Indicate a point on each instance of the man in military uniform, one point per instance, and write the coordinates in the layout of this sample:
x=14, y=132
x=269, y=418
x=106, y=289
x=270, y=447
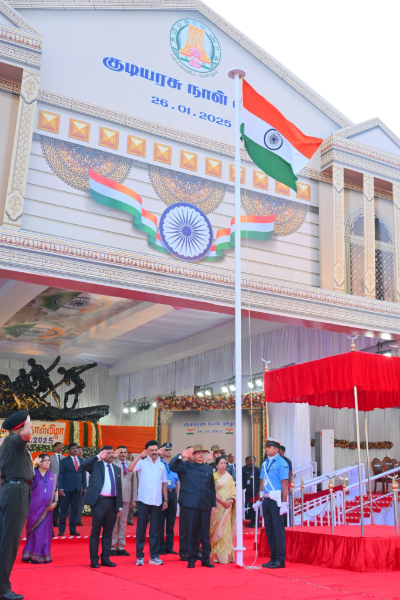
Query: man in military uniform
x=199, y=499
x=273, y=495
x=168, y=516
x=16, y=477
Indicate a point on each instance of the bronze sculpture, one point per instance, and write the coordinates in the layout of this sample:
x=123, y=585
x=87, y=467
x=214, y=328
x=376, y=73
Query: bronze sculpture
x=40, y=378
x=73, y=374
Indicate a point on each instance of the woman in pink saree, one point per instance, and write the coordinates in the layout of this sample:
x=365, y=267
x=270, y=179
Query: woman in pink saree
x=222, y=528
x=39, y=524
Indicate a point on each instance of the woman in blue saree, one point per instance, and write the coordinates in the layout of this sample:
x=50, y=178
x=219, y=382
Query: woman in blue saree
x=39, y=524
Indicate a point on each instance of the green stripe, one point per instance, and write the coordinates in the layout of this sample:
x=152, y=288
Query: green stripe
x=269, y=162
x=85, y=434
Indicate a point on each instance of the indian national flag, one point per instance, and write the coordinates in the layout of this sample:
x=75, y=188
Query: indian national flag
x=252, y=228
x=274, y=144
x=189, y=431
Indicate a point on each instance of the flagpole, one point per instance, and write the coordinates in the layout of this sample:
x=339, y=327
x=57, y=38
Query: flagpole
x=237, y=74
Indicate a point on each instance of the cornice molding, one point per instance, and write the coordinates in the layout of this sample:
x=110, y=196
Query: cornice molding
x=340, y=143
x=15, y=17
x=10, y=86
x=20, y=55
x=53, y=257
x=216, y=19
x=358, y=163
x=365, y=126
x=351, y=185
x=14, y=36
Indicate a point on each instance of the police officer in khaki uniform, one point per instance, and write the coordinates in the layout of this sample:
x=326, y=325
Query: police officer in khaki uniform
x=16, y=477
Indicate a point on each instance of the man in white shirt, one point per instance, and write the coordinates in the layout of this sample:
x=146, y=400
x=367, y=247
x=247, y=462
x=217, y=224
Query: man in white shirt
x=152, y=500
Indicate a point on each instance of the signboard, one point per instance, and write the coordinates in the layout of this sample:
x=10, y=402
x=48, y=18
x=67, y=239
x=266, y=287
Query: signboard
x=47, y=433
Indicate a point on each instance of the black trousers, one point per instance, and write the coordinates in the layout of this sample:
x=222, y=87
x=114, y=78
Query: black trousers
x=56, y=513
x=104, y=515
x=167, y=522
x=198, y=520
x=146, y=512
x=183, y=533
x=250, y=514
x=274, y=529
x=73, y=499
x=14, y=507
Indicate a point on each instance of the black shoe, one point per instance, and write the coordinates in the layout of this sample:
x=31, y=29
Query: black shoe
x=190, y=565
x=199, y=555
x=113, y=551
x=79, y=524
x=122, y=553
x=208, y=564
x=276, y=565
x=61, y=532
x=184, y=558
x=170, y=552
x=130, y=522
x=107, y=563
x=74, y=533
x=268, y=564
x=250, y=525
x=11, y=596
x=95, y=565
x=162, y=552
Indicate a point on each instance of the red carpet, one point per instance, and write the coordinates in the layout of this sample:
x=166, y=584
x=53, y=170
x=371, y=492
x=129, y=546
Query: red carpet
x=69, y=576
x=378, y=550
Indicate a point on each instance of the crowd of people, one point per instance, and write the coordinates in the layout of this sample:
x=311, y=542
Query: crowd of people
x=201, y=482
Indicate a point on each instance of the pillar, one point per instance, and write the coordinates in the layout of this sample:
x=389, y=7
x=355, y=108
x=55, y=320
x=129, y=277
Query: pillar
x=338, y=229
x=396, y=211
x=165, y=420
x=256, y=435
x=369, y=237
x=21, y=150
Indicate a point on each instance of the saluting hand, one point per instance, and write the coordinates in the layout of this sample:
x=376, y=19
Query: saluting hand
x=210, y=456
x=161, y=451
x=186, y=453
x=145, y=453
x=103, y=455
x=37, y=461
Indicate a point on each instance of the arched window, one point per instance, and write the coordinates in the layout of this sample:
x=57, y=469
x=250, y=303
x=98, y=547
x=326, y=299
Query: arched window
x=384, y=256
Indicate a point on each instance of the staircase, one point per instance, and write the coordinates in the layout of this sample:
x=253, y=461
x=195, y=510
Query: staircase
x=321, y=508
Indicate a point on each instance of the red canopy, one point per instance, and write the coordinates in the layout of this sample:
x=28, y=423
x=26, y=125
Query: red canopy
x=330, y=382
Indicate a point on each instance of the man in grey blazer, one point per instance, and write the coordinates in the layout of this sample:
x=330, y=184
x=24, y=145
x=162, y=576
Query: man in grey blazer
x=55, y=460
x=129, y=496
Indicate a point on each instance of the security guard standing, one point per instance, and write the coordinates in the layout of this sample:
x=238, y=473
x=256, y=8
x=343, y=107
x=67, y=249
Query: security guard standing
x=16, y=477
x=168, y=516
x=274, y=492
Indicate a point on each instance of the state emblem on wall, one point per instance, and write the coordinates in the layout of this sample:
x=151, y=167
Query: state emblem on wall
x=195, y=45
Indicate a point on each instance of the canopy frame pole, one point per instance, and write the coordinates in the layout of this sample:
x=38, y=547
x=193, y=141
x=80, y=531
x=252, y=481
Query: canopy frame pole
x=237, y=75
x=369, y=468
x=359, y=460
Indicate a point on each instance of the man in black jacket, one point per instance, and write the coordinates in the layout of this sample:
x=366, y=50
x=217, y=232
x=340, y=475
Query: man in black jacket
x=72, y=479
x=199, y=499
x=104, y=495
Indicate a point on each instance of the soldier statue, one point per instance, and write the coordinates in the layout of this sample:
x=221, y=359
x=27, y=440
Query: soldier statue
x=72, y=374
x=40, y=378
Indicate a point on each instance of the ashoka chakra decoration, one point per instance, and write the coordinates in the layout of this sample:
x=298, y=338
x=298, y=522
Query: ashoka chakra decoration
x=273, y=139
x=78, y=303
x=186, y=231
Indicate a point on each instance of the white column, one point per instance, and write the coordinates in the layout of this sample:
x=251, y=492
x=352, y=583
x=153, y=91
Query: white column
x=338, y=229
x=396, y=211
x=369, y=237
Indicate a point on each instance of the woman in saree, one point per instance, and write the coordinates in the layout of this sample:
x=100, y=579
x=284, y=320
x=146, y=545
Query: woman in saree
x=39, y=524
x=222, y=528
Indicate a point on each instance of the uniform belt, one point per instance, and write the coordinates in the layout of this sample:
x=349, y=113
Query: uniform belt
x=17, y=480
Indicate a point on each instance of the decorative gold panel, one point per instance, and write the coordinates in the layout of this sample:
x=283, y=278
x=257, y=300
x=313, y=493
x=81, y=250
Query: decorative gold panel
x=213, y=167
x=162, y=153
x=48, y=121
x=136, y=146
x=281, y=188
x=232, y=174
x=260, y=180
x=109, y=138
x=303, y=191
x=79, y=130
x=188, y=161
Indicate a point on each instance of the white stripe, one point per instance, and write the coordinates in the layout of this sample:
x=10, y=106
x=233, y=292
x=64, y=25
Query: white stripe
x=223, y=239
x=115, y=194
x=149, y=223
x=255, y=129
x=263, y=227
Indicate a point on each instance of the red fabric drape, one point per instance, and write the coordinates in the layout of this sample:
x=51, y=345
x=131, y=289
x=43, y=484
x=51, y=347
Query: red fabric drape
x=330, y=382
x=346, y=549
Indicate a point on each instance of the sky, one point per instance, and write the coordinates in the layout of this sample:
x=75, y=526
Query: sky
x=348, y=51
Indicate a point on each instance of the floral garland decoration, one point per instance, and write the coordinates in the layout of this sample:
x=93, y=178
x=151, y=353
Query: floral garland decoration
x=214, y=402
x=353, y=445
x=83, y=433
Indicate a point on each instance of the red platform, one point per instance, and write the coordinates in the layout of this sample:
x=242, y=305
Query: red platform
x=378, y=550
